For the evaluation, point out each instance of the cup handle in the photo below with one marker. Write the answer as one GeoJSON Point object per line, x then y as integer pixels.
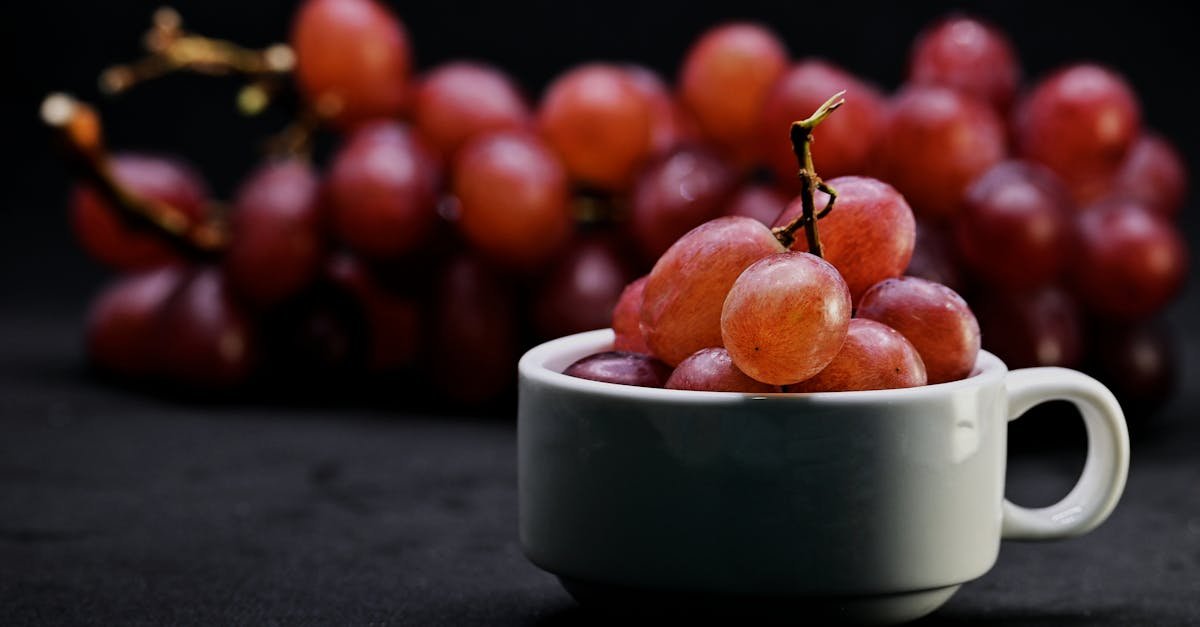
{"type": "Point", "coordinates": [1103, 479]}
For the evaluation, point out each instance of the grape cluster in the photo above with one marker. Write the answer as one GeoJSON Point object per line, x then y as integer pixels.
{"type": "Point", "coordinates": [457, 221]}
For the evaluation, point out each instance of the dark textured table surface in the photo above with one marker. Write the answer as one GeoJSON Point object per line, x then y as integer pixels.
{"type": "Point", "coordinates": [118, 508]}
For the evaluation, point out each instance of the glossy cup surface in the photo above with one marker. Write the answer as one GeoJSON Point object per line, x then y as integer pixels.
{"type": "Point", "coordinates": [835, 494]}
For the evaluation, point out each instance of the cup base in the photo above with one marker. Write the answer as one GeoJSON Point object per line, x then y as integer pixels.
{"type": "Point", "coordinates": [874, 609]}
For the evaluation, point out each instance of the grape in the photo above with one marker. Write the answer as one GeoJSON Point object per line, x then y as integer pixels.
{"type": "Point", "coordinates": [842, 144]}
{"type": "Point", "coordinates": [121, 325]}
{"type": "Point", "coordinates": [621, 368]}
{"type": "Point", "coordinates": [681, 310]}
{"type": "Point", "coordinates": [933, 317]}
{"type": "Point", "coordinates": [1155, 174]}
{"type": "Point", "coordinates": [1014, 228]}
{"type": "Point", "coordinates": [1080, 122]}
{"type": "Point", "coordinates": [473, 340]}
{"type": "Point", "coordinates": [1040, 328]}
{"type": "Point", "coordinates": [276, 241]}
{"type": "Point", "coordinates": [352, 59]}
{"type": "Point", "coordinates": [514, 196]}
{"type": "Point", "coordinates": [582, 289]}
{"type": "Point", "coordinates": [786, 317]}
{"type": "Point", "coordinates": [933, 257]}
{"type": "Point", "coordinates": [1129, 262]}
{"type": "Point", "coordinates": [761, 202]}
{"type": "Point", "coordinates": [321, 333]}
{"type": "Point", "coordinates": [598, 122]}
{"type": "Point", "coordinates": [1140, 364]}
{"type": "Point", "coordinates": [112, 239]}
{"type": "Point", "coordinates": [627, 319]}
{"type": "Point", "coordinates": [934, 143]}
{"type": "Point", "coordinates": [676, 195]}
{"type": "Point", "coordinates": [381, 191]}
{"type": "Point", "coordinates": [207, 338]}
{"type": "Point", "coordinates": [461, 100]}
{"type": "Point", "coordinates": [393, 319]}
{"type": "Point", "coordinates": [712, 370]}
{"type": "Point", "coordinates": [968, 55]}
{"type": "Point", "coordinates": [724, 81]}
{"type": "Point", "coordinates": [669, 125]}
{"type": "Point", "coordinates": [874, 357]}
{"type": "Point", "coordinates": [868, 236]}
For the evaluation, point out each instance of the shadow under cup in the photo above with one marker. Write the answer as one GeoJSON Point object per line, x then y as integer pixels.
{"type": "Point", "coordinates": [870, 506]}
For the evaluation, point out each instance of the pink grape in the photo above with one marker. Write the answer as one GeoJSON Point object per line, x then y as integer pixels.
{"type": "Point", "coordinates": [934, 143]}
{"type": "Point", "coordinates": [1129, 262]}
{"type": "Point", "coordinates": [621, 368]}
{"type": "Point", "coordinates": [686, 289]}
{"type": "Point", "coordinates": [874, 357]}
{"type": "Point", "coordinates": [1080, 122]}
{"type": "Point", "coordinates": [869, 235]}
{"type": "Point", "coordinates": [933, 317]}
{"type": "Point", "coordinates": [712, 370]}
{"type": "Point", "coordinates": [968, 55]}
{"type": "Point", "coordinates": [627, 319]}
{"type": "Point", "coordinates": [786, 317]}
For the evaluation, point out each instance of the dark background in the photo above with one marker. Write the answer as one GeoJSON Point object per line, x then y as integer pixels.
{"type": "Point", "coordinates": [116, 506]}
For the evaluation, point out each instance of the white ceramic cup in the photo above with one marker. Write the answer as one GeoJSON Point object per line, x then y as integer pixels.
{"type": "Point", "coordinates": [866, 506]}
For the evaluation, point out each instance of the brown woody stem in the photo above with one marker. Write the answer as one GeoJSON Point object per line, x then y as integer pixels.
{"type": "Point", "coordinates": [171, 49]}
{"type": "Point", "coordinates": [82, 134]}
{"type": "Point", "coordinates": [801, 136]}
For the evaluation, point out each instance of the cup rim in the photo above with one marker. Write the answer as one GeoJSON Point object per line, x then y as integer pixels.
{"type": "Point", "coordinates": [533, 367]}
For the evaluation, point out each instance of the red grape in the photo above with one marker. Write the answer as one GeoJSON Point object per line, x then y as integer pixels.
{"type": "Point", "coordinates": [968, 55]}
{"type": "Point", "coordinates": [352, 59]}
{"type": "Point", "coordinates": [712, 370]}
{"type": "Point", "coordinates": [786, 317]}
{"type": "Point", "coordinates": [461, 100]}
{"type": "Point", "coordinates": [321, 333]}
{"type": "Point", "coordinates": [393, 319]}
{"type": "Point", "coordinates": [933, 257]}
{"type": "Point", "coordinates": [934, 143]}
{"type": "Point", "coordinates": [621, 368]}
{"type": "Point", "coordinates": [514, 196]}
{"type": "Point", "coordinates": [1080, 122]}
{"type": "Point", "coordinates": [598, 122]}
{"type": "Point", "coordinates": [382, 191]}
{"type": "Point", "coordinates": [933, 317]}
{"type": "Point", "coordinates": [474, 340]}
{"type": "Point", "coordinates": [761, 202]}
{"type": "Point", "coordinates": [681, 311]}
{"type": "Point", "coordinates": [874, 357]}
{"type": "Point", "coordinates": [1014, 228]}
{"type": "Point", "coordinates": [1141, 365]}
{"type": "Point", "coordinates": [1040, 328]}
{"type": "Point", "coordinates": [869, 234]}
{"type": "Point", "coordinates": [1155, 174]}
{"type": "Point", "coordinates": [1130, 262]}
{"type": "Point", "coordinates": [843, 142]}
{"type": "Point", "coordinates": [676, 195]}
{"type": "Point", "coordinates": [669, 124]}
{"type": "Point", "coordinates": [117, 242]}
{"type": "Point", "coordinates": [581, 290]}
{"type": "Point", "coordinates": [207, 339]}
{"type": "Point", "coordinates": [627, 319]}
{"type": "Point", "coordinates": [724, 81]}
{"type": "Point", "coordinates": [121, 325]}
{"type": "Point", "coordinates": [276, 240]}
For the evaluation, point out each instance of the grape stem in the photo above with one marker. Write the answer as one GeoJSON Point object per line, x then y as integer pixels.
{"type": "Point", "coordinates": [172, 49]}
{"type": "Point", "coordinates": [802, 139]}
{"type": "Point", "coordinates": [80, 130]}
